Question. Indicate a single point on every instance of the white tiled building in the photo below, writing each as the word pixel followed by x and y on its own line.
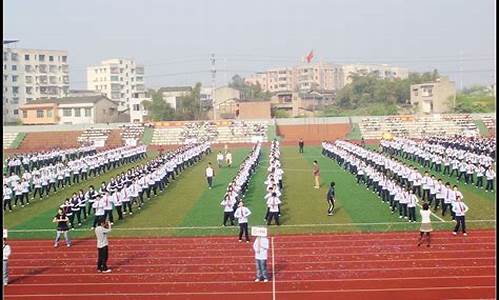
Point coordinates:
pixel 32 74
pixel 117 79
pixel 138 112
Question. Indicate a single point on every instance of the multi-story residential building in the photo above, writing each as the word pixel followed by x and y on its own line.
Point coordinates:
pixel 32 74
pixel 117 79
pixel 319 76
pixel 138 112
pixel 433 97
pixel 172 94
pixel 343 73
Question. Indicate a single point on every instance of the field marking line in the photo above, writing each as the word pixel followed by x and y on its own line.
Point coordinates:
pixel 273 274
pixel 245 250
pixel 234 228
pixel 250 264
pixel 290 255
pixel 66 274
pixel 255 292
pixel 246 281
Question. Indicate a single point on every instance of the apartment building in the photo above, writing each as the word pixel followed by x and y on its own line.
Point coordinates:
pixel 118 79
pixel 343 73
pixel 138 112
pixel 173 94
pixel 319 76
pixel 32 74
pixel 433 97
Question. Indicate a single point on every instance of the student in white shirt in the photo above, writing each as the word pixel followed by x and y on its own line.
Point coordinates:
pixel 260 247
pixel 228 205
pixel 490 176
pixel 412 204
pixel 210 174
pixel 229 159
pixel 220 159
pixel 459 208
pixel 242 214
pixel 425 227
pixel 448 199
pixel 7 198
pixel 6 253
pixel 273 204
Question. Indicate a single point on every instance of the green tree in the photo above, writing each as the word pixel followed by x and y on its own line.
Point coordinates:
pixel 190 105
pixel 248 91
pixel 158 109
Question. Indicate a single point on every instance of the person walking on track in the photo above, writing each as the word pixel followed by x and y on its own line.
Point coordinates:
pixel 6 254
pixel 459 208
pixel 315 172
pixel 301 145
pixel 426 226
pixel 101 233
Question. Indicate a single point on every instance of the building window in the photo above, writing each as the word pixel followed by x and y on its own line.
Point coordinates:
pixel 77 112
pixel 26 57
pixel 15 100
pixel 14 78
pixel 67 112
pixel 136 107
pixel 87 112
pixel 49 113
pixel 64 58
pixel 25 114
pixel 5 56
pixel 16 111
pixel 14 68
pixel 14 56
pixel 39 113
pixel 51 58
pixel 41 57
pixel 15 89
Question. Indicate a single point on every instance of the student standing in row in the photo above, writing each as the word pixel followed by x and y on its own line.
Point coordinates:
pixel 301 145
pixel 242 214
pixel 101 233
pixel 209 173
pixel 459 208
pixel 220 159
pixel 229 159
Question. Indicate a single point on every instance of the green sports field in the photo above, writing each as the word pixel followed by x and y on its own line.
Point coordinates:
pixel 188 208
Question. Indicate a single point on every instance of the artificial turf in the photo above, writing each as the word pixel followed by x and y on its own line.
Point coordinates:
pixel 189 208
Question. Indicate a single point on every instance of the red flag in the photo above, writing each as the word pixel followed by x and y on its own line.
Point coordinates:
pixel 309 56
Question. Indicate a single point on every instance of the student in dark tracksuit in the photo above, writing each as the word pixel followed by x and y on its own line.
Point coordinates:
pixel 330 198
pixel 301 145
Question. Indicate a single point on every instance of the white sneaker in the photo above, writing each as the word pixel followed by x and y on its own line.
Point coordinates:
pixel 107 271
pixel 265 280
pixel 465 233
pixel 454 233
pixel 257 280
pixel 400 217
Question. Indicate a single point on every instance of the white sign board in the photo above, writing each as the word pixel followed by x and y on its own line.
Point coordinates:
pixel 259 231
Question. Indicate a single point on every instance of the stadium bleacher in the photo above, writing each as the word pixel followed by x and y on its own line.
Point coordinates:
pixel 236 132
pixel 8 138
pixel 418 127
pixel 94 135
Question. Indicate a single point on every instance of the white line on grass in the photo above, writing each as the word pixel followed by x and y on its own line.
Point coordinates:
pixel 234 228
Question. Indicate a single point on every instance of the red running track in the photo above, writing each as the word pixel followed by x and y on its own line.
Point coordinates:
pixel 334 266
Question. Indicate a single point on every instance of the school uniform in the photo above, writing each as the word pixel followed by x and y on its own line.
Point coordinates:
pixel 117 203
pixel 242 214
pixel 75 209
pixel 7 198
pixel 99 211
pixel 209 173
pixel 228 205
pixel 448 200
pixel 273 205
pixel 108 207
pixel 403 202
pixel 82 203
pixel 460 209
pixel 412 204
pixel 479 176
pixel 490 176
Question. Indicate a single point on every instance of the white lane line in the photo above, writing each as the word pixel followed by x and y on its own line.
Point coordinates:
pixel 274 274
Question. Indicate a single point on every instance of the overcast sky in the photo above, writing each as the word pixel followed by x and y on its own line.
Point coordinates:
pixel 174 39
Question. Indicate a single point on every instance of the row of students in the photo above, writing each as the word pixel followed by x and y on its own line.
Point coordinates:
pixel 449 161
pixel 274 184
pixel 472 144
pixel 131 187
pixel 235 192
pixel 19 163
pixel 40 183
pixel 395 183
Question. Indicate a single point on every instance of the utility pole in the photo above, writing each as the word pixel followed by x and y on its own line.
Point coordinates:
pixel 213 71
pixel 461 68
